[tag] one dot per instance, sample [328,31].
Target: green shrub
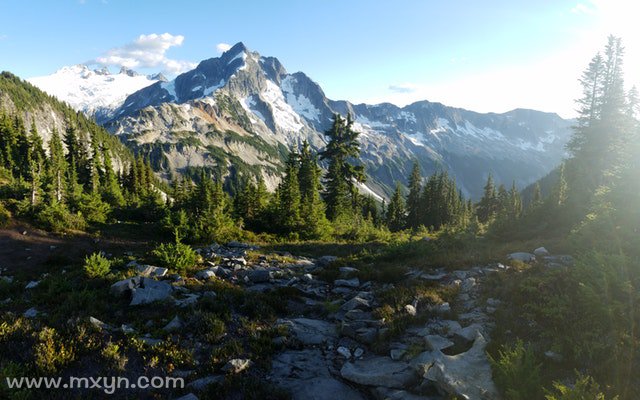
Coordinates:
[114,357]
[5,216]
[93,209]
[585,388]
[177,256]
[51,354]
[517,373]
[96,265]
[58,218]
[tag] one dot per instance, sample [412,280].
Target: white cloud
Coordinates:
[403,88]
[582,8]
[147,51]
[222,47]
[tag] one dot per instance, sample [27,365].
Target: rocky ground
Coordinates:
[332,342]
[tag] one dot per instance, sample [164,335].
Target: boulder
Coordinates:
[379,371]
[541,252]
[31,313]
[324,261]
[259,276]
[207,274]
[350,283]
[344,352]
[174,325]
[357,303]
[522,256]
[466,375]
[150,271]
[397,354]
[98,324]
[306,375]
[237,365]
[348,270]
[123,287]
[437,342]
[189,396]
[309,331]
[150,291]
[32,284]
[469,334]
[188,300]
[411,310]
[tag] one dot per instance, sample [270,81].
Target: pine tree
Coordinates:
[288,196]
[487,206]
[111,191]
[56,169]
[396,212]
[341,193]
[536,197]
[312,211]
[413,199]
[560,191]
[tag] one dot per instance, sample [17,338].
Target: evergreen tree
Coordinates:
[312,211]
[396,212]
[536,197]
[560,191]
[341,193]
[110,187]
[56,169]
[288,196]
[488,205]
[413,199]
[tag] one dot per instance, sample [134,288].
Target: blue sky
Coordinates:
[485,56]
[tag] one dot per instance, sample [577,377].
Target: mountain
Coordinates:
[21,99]
[95,92]
[238,114]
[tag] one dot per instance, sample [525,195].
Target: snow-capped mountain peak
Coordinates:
[95,92]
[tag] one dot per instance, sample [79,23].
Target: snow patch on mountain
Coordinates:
[89,90]
[284,116]
[170,87]
[300,103]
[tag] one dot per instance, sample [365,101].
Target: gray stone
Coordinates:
[188,300]
[310,331]
[468,284]
[446,327]
[466,375]
[344,352]
[411,310]
[356,303]
[469,333]
[522,256]
[348,270]
[383,393]
[350,283]
[149,341]
[31,313]
[379,371]
[358,352]
[174,325]
[206,274]
[237,365]
[434,277]
[32,284]
[437,342]
[305,374]
[397,354]
[553,356]
[202,383]
[123,287]
[259,276]
[209,294]
[324,261]
[98,324]
[541,252]
[127,329]
[307,278]
[150,271]
[441,308]
[150,291]
[7,279]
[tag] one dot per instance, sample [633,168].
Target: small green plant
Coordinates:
[51,353]
[517,373]
[584,388]
[97,265]
[115,359]
[177,256]
[5,216]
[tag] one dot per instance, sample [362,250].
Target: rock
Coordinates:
[358,352]
[541,252]
[238,245]
[237,365]
[149,341]
[411,310]
[324,261]
[174,325]
[553,356]
[209,294]
[523,257]
[259,276]
[348,270]
[350,283]
[441,308]
[437,342]
[379,371]
[7,279]
[468,284]
[397,354]
[206,274]
[98,324]
[306,375]
[344,352]
[32,284]
[356,303]
[150,271]
[123,287]
[188,300]
[466,375]
[189,396]
[31,313]
[565,260]
[202,383]
[150,291]
[446,327]
[433,277]
[307,278]
[383,393]
[127,329]
[469,334]
[309,331]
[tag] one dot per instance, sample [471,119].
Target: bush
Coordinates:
[96,265]
[57,217]
[5,216]
[93,209]
[585,388]
[50,352]
[517,373]
[177,256]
